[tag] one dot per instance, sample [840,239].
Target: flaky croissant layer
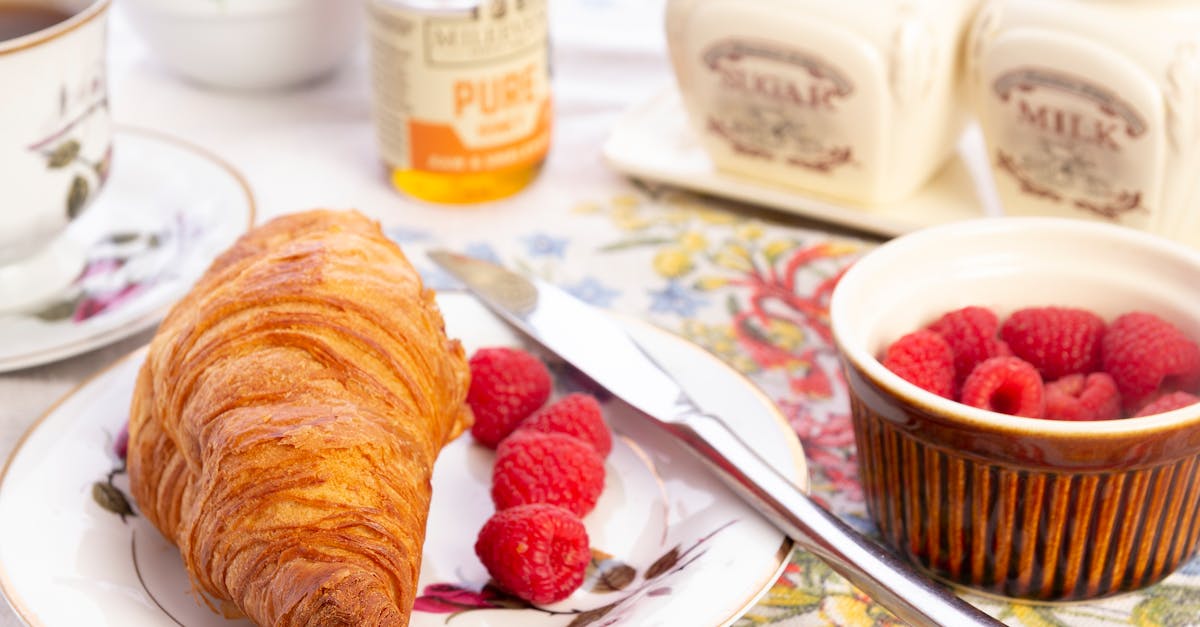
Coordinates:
[285,424]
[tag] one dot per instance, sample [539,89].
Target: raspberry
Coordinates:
[554,468]
[1168,402]
[576,415]
[1058,341]
[538,552]
[1147,355]
[971,333]
[507,385]
[924,359]
[1079,397]
[1008,385]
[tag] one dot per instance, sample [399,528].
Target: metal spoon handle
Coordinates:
[910,595]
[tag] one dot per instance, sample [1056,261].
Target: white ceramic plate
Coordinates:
[684,550]
[653,141]
[167,210]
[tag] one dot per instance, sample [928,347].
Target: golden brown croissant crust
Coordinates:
[285,424]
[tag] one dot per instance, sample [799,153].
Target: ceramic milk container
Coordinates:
[1091,108]
[859,100]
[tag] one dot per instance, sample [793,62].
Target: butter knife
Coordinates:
[597,346]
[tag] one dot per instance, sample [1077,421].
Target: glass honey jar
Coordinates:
[462,101]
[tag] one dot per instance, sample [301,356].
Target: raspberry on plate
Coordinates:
[553,468]
[1079,397]
[1168,402]
[924,359]
[1009,385]
[1058,341]
[507,385]
[1147,356]
[538,552]
[577,415]
[972,335]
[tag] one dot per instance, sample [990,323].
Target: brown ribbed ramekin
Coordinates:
[1021,507]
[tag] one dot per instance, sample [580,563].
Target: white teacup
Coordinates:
[55,139]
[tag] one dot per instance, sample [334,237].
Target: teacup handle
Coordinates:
[911,596]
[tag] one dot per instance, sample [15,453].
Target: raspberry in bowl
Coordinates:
[1026,507]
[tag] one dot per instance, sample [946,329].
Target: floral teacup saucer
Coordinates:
[166,211]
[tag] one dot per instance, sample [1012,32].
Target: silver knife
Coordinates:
[615,361]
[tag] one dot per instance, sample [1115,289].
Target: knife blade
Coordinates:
[599,347]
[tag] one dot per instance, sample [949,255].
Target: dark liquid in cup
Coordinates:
[17,19]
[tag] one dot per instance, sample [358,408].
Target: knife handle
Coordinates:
[893,583]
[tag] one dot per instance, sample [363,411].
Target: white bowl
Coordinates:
[249,44]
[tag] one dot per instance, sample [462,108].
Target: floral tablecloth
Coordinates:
[751,287]
[755,292]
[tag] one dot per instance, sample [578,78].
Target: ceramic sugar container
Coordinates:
[858,100]
[1091,109]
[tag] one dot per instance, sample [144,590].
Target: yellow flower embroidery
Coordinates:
[626,201]
[749,231]
[735,258]
[710,283]
[1029,615]
[693,328]
[743,364]
[836,248]
[693,241]
[587,208]
[628,218]
[724,347]
[673,263]
[784,334]
[633,223]
[717,339]
[787,596]
[776,248]
[848,610]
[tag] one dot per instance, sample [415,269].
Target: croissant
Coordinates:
[285,424]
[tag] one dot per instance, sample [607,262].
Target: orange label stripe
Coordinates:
[438,148]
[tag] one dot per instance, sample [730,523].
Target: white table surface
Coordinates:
[643,252]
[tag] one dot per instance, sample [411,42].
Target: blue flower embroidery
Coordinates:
[542,245]
[437,279]
[677,299]
[403,234]
[593,291]
[482,250]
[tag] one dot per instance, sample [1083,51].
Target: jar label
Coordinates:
[462,92]
[1066,140]
[777,103]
